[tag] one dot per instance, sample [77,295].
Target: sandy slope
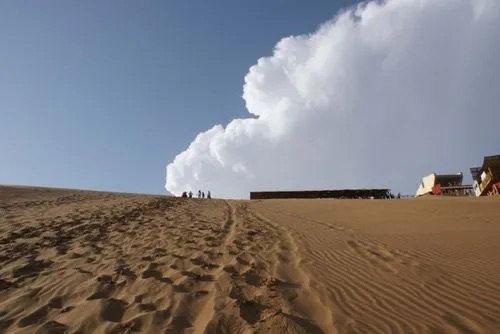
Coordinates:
[425,265]
[74,261]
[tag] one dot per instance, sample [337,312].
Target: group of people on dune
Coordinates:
[201,194]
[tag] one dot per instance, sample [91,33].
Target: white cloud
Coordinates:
[379,96]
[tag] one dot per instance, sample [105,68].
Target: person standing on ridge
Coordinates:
[209,195]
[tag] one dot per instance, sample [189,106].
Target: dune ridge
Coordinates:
[96,262]
[391,279]
[100,262]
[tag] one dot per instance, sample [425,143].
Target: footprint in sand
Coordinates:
[52,327]
[112,309]
[33,318]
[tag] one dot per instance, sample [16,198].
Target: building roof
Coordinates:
[492,162]
[446,180]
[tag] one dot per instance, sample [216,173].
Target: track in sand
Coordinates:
[94,262]
[100,262]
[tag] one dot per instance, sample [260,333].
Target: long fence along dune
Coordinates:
[94,262]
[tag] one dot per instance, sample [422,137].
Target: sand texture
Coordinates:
[94,262]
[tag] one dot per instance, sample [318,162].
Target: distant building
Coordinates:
[486,179]
[338,193]
[438,184]
[475,172]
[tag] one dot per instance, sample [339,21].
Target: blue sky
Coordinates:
[103,94]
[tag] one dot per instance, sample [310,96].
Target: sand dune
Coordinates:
[409,266]
[95,262]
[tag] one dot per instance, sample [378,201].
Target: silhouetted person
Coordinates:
[199,193]
[208,195]
[202,194]
[184,194]
[190,194]
[399,195]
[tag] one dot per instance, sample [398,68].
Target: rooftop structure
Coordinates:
[437,183]
[487,179]
[475,172]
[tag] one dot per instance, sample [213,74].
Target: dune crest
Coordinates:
[80,261]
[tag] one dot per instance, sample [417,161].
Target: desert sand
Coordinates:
[95,262]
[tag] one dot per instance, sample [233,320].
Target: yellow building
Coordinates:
[486,180]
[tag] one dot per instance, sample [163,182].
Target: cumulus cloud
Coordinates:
[377,97]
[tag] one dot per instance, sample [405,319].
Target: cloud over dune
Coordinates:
[378,96]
